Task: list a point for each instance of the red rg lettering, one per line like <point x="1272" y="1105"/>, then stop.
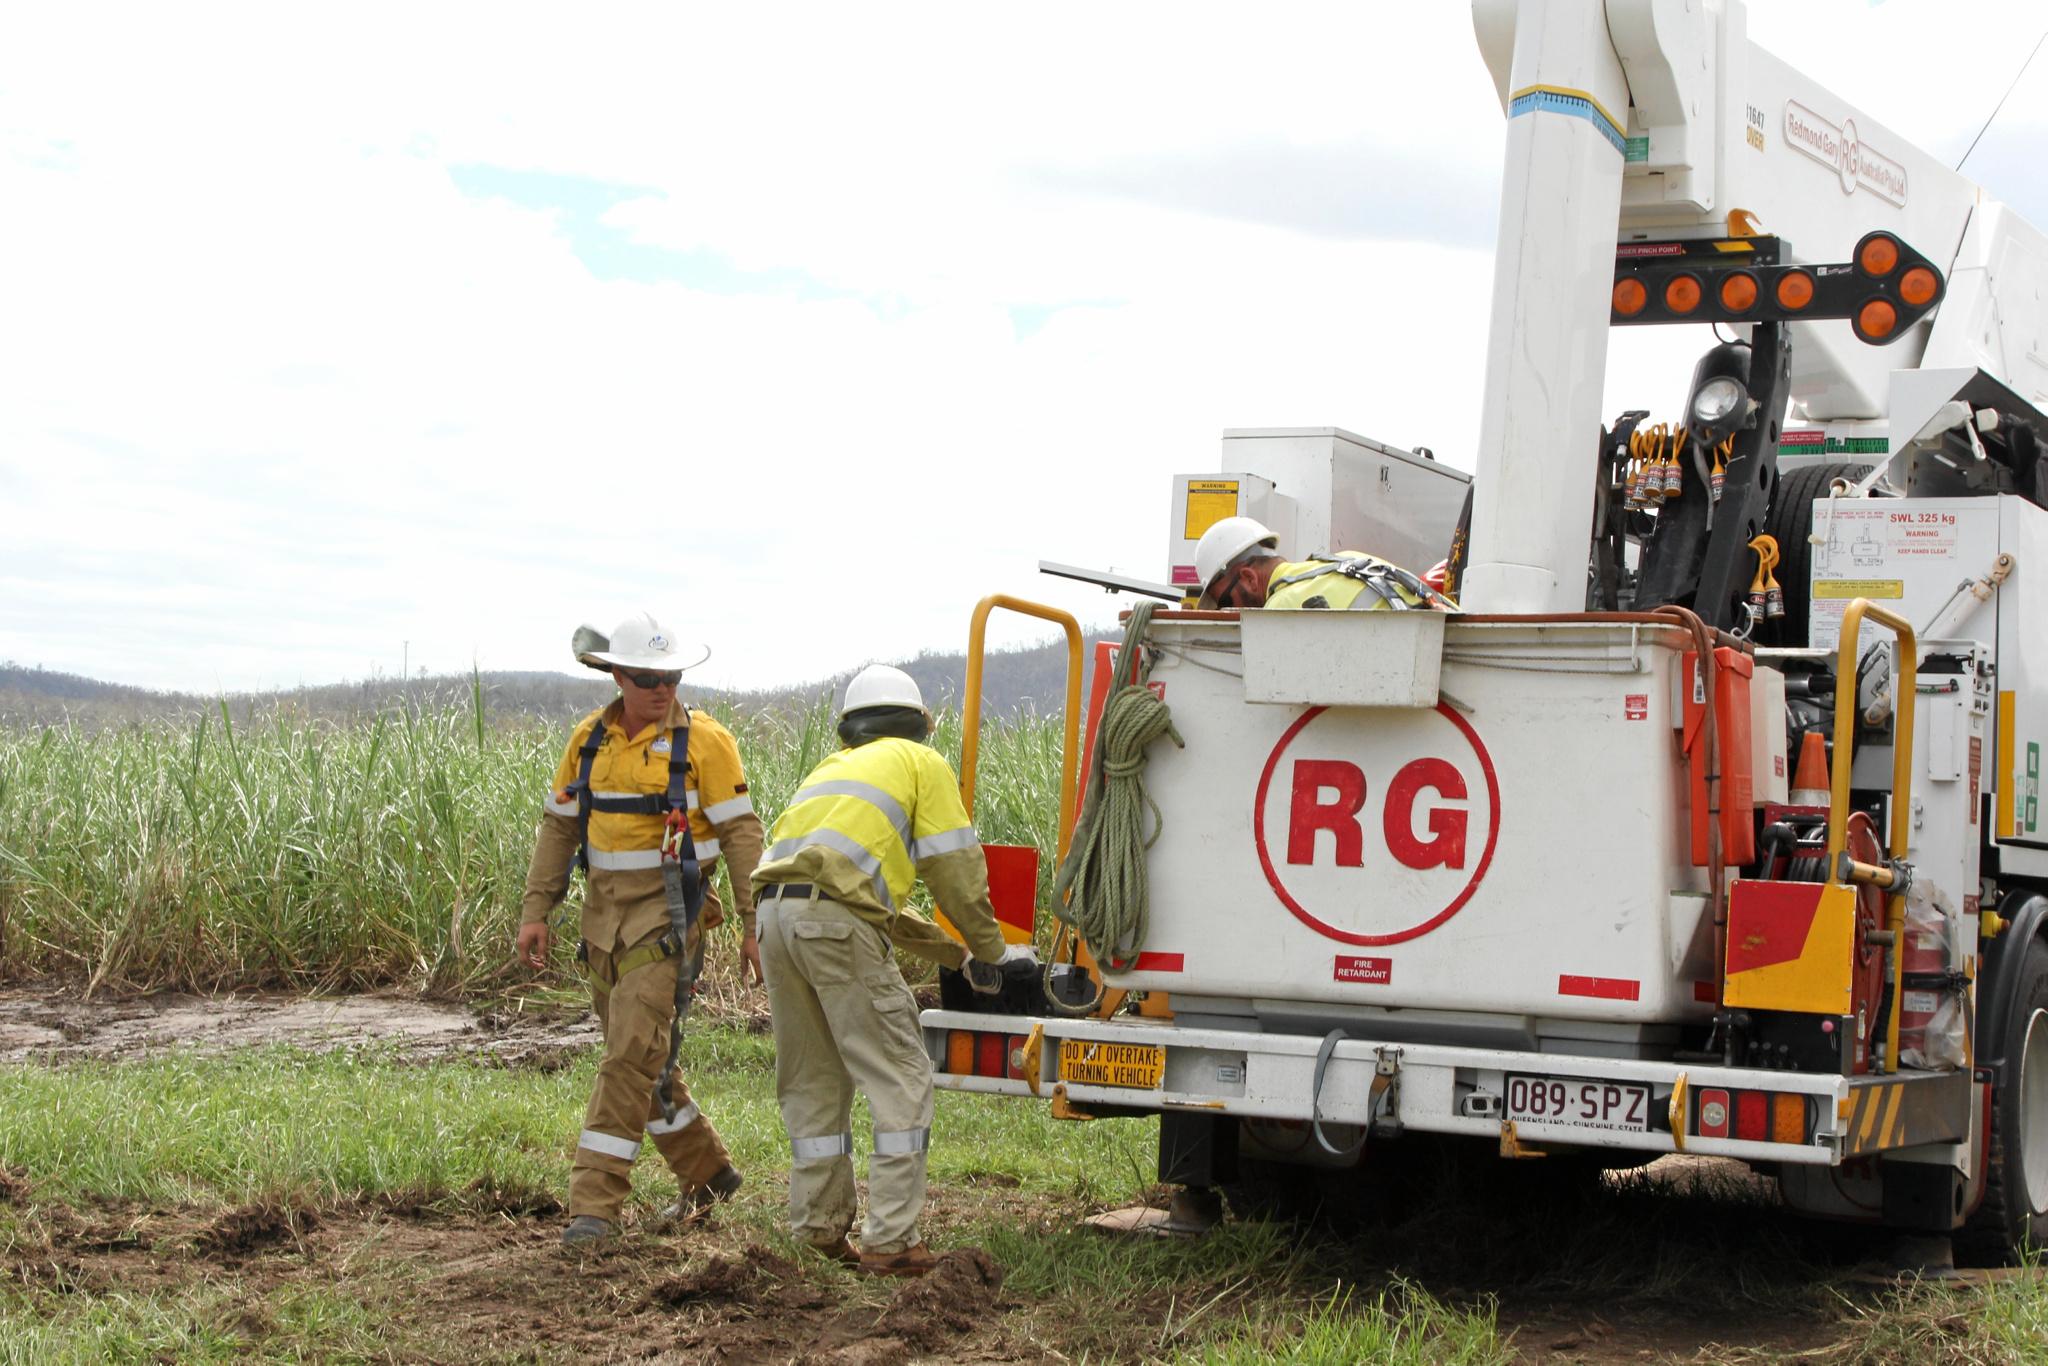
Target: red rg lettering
<point x="1446" y="846"/>
<point x="1309" y="813"/>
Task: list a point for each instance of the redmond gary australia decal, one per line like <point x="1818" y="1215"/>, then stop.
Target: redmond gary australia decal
<point x="1836" y="146"/>
<point x="1376" y="831"/>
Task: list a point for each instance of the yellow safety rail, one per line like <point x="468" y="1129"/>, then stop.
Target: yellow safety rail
<point x="970" y="718"/>
<point x="1843" y="870"/>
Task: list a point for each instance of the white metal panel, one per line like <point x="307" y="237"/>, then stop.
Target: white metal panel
<point x="1439" y="858"/>
<point x="1350" y="492"/>
<point x="2023" y="667"/>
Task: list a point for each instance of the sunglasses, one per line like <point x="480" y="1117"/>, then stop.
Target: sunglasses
<point x="661" y="680"/>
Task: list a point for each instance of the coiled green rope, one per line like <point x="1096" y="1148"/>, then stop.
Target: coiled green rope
<point x="1101" y="891"/>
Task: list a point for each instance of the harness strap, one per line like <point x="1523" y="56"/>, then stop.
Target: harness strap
<point x="682" y="880"/>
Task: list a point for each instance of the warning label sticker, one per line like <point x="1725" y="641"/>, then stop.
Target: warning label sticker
<point x="1636" y="706"/>
<point x="1372" y="972"/>
<point x="1906" y="553"/>
<point x="1209" y="502"/>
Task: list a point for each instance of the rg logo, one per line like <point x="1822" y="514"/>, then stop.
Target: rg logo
<point x="1376" y="827"/>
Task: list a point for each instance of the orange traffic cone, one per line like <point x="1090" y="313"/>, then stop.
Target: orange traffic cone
<point x="1810" y="779"/>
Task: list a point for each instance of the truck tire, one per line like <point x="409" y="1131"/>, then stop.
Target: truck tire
<point x="1790" y="522"/>
<point x="2015" y="1208"/>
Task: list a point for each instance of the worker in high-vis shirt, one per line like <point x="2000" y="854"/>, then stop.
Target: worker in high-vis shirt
<point x="834" y="895"/>
<point x="608" y="808"/>
<point x="1238" y="561"/>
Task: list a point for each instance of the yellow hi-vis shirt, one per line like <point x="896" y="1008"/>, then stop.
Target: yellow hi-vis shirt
<point x="623" y="900"/>
<point x="1321" y="582"/>
<point x="866" y="824"/>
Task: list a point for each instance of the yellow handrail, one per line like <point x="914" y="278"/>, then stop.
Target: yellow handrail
<point x="1903" y="692"/>
<point x="970" y="714"/>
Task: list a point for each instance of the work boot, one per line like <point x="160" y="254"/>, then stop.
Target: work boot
<point x="723" y="1185"/>
<point x="842" y="1252"/>
<point x="586" y="1229"/>
<point x="911" y="1261"/>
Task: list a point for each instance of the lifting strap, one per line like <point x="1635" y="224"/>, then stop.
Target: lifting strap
<point x="682" y="879"/>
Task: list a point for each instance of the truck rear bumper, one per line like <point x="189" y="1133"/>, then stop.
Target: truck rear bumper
<point x="1712" y="1110"/>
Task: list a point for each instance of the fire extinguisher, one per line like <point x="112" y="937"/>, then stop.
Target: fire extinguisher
<point x="1924" y="980"/>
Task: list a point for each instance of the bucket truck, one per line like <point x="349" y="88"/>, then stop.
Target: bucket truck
<point x="1712" y="823"/>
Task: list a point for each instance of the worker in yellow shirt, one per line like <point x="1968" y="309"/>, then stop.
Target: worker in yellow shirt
<point x="1239" y="564"/>
<point x="648" y="797"/>
<point x="834" y="889"/>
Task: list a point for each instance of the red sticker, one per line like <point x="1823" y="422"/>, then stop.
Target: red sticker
<point x="1636" y="706"/>
<point x="1372" y="972"/>
<point x="1600" y="988"/>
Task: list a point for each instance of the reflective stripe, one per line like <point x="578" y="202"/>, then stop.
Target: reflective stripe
<point x="945" y="842"/>
<point x="820" y="1149"/>
<point x="625" y="860"/>
<point x="707" y="850"/>
<point x="610" y="1145"/>
<point x="685" y="1117"/>
<point x="891" y="809"/>
<point x="690" y="797"/>
<point x="863" y="858"/>
<point x="721" y="812"/>
<point x="555" y="808"/>
<point x="894" y="1142"/>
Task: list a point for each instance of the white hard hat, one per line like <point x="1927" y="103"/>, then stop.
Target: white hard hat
<point x="638" y="642"/>
<point x="879" y="685"/>
<point x="1224" y="542"/>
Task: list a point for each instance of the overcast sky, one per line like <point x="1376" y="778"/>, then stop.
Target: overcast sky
<point x="331" y="339"/>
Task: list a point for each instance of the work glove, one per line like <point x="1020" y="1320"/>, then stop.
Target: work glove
<point x="986" y="978"/>
<point x="1019" y="963"/>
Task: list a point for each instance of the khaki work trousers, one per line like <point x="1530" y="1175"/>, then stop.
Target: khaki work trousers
<point x="635" y="1014"/>
<point x="844" y="1019"/>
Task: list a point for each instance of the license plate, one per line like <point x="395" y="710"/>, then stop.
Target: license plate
<point x="1137" y="1066"/>
<point x="1578" y="1103"/>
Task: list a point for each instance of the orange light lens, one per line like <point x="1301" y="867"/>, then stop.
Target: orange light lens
<point x="1917" y="286"/>
<point x="1788" y="1119"/>
<point x="1877" y="318"/>
<point x="960" y="1052"/>
<point x="1880" y="256"/>
<point x="1682" y="295"/>
<point x="1795" y="290"/>
<point x="1630" y="296"/>
<point x="1738" y="293"/>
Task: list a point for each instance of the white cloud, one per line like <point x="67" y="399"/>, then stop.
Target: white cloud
<point x="956" y="289"/>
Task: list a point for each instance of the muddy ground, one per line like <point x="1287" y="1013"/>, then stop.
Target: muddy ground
<point x="491" y="1283"/>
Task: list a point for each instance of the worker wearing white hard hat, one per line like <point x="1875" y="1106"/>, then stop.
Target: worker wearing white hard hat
<point x="1239" y="563"/>
<point x="834" y="889"/>
<point x="648" y="796"/>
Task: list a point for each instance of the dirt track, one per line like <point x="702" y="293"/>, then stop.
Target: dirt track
<point x="45" y="1026"/>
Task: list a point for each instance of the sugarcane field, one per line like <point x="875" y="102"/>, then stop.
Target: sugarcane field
<point x="661" y="701"/>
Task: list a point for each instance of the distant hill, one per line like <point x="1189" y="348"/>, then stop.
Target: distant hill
<point x="1013" y="681"/>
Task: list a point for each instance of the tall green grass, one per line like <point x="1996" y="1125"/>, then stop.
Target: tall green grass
<point x="310" y="856"/>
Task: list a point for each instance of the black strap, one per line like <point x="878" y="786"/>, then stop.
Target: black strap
<point x="683" y="882"/>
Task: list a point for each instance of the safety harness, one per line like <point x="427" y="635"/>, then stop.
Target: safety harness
<point x="1381" y="578"/>
<point x="682" y="880"/>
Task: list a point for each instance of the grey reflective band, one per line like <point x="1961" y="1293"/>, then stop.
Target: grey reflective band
<point x="609" y="1144"/>
<point x="685" y="1117"/>
<point x="891" y="809"/>
<point x="689" y="796"/>
<point x="624" y="860"/>
<point x="893" y="1143"/>
<point x="820" y="1149"/>
<point x="718" y="813"/>
<point x="863" y="858"/>
<point x="707" y="850"/>
<point x="945" y="842"/>
<point x="555" y="808"/>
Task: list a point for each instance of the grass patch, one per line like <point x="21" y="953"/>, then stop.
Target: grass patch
<point x="312" y="856"/>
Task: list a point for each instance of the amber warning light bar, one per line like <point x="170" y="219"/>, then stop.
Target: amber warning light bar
<point x="1884" y="290"/>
